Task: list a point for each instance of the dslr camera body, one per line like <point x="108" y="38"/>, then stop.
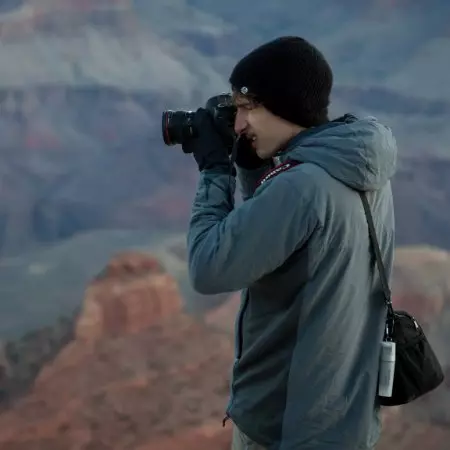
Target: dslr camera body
<point x="178" y="126"/>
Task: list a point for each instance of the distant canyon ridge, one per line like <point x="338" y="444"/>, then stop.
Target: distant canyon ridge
<point x="77" y="159"/>
<point x="83" y="86"/>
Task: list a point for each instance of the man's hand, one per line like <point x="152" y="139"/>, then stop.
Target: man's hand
<point x="208" y="147"/>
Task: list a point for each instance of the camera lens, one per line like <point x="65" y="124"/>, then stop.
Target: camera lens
<point x="177" y="126"/>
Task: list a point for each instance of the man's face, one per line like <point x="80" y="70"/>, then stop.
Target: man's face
<point x="267" y="132"/>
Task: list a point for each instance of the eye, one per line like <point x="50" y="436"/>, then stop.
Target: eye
<point x="245" y="107"/>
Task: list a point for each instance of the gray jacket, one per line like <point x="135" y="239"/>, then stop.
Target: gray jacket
<point x="312" y="314"/>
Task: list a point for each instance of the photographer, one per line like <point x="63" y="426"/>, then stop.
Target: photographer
<point x="312" y="315"/>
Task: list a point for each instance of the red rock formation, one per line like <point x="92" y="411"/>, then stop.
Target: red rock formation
<point x="223" y="317"/>
<point x="131" y="294"/>
<point x="140" y="374"/>
<point x="401" y="434"/>
<point x="420" y="282"/>
<point x="425" y="307"/>
<point x="205" y="437"/>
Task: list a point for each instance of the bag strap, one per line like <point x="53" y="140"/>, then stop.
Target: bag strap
<point x="372" y="235"/>
<point x="379" y="260"/>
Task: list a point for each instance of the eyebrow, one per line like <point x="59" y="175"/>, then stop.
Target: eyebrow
<point x="242" y="100"/>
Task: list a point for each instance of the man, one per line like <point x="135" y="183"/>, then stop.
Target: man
<point x="312" y="318"/>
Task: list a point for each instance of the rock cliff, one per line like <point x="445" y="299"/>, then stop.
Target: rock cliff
<point x="138" y="374"/>
<point x="141" y="374"/>
<point x="130" y="295"/>
<point x="22" y="359"/>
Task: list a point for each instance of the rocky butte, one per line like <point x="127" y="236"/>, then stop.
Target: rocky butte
<point x="141" y="374"/>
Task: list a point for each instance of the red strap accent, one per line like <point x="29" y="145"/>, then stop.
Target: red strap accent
<point x="276" y="171"/>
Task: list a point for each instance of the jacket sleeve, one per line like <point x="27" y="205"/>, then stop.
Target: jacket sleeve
<point x="249" y="178"/>
<point x="230" y="248"/>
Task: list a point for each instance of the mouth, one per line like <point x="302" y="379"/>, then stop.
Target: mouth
<point x="252" y="140"/>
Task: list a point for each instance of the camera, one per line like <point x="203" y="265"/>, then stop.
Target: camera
<point x="178" y="126"/>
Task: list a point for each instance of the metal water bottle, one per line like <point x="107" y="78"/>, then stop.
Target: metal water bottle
<point x="387" y="369"/>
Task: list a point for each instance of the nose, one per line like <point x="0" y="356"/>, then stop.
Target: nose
<point x="240" y="122"/>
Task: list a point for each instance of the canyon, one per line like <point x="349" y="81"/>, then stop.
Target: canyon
<point x="103" y="343"/>
<point x="140" y="373"/>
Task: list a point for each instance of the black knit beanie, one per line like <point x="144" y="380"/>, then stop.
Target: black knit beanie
<point x="290" y="77"/>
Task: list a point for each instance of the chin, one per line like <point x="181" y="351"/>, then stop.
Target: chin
<point x="264" y="154"/>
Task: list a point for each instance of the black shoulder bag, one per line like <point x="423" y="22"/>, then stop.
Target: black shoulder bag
<point x="417" y="370"/>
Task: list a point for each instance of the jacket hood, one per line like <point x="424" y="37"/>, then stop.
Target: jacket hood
<point x="360" y="152"/>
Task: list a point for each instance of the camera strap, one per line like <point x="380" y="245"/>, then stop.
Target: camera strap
<point x="273" y="172"/>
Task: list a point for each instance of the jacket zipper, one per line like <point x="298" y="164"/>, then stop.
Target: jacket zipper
<point x="239" y="345"/>
<point x="239" y="336"/>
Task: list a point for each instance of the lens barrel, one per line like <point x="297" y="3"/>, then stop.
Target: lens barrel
<point x="177" y="126"/>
